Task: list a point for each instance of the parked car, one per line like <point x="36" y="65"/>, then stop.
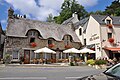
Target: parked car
<point x="112" y="73"/>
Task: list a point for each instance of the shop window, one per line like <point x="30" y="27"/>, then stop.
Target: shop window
<point x="15" y="55"/>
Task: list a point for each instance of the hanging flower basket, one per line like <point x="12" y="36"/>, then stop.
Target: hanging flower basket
<point x="33" y="44"/>
<point x="67" y="46"/>
<point x="111" y="40"/>
<point x="50" y="45"/>
<point x="109" y="25"/>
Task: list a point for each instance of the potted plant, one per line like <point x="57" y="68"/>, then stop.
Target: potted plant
<point x="67" y="46"/>
<point x="33" y="44"/>
<point x="111" y="40"/>
<point x="109" y="25"/>
<point x="50" y="45"/>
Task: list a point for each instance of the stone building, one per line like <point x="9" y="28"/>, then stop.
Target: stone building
<point x="24" y="36"/>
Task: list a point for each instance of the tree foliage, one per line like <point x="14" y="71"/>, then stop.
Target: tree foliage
<point x="68" y="8"/>
<point x="50" y="18"/>
<point x="113" y="9"/>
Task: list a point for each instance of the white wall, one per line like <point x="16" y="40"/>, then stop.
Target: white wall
<point x="93" y="35"/>
<point x="81" y="37"/>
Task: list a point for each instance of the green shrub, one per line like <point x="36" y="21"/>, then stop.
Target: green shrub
<point x="71" y="64"/>
<point x="100" y="62"/>
<point x="7" y="58"/>
<point x="91" y="62"/>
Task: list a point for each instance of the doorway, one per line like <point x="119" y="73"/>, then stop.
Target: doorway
<point x="26" y="56"/>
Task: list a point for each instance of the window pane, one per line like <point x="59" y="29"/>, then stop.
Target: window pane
<point x="49" y="41"/>
<point x="109" y="35"/>
<point x="32" y="55"/>
<point x="108" y="21"/>
<point x="80" y="31"/>
<point x="15" y="55"/>
<point x="32" y="40"/>
<point x="38" y="56"/>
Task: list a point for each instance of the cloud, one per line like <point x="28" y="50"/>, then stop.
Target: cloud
<point x="88" y="3"/>
<point x="40" y="9"/>
<point x="3" y="21"/>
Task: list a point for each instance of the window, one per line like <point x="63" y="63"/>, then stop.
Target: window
<point x="80" y="31"/>
<point x="49" y="41"/>
<point x="15" y="55"/>
<point x="32" y="40"/>
<point x="32" y="55"/>
<point x="67" y="39"/>
<point x="109" y="35"/>
<point x="108" y="21"/>
<point x="84" y="41"/>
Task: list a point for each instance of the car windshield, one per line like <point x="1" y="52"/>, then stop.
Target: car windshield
<point x="114" y="71"/>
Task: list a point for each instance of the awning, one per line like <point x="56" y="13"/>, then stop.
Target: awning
<point x="112" y="49"/>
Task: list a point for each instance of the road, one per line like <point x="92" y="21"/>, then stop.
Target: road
<point x="46" y="73"/>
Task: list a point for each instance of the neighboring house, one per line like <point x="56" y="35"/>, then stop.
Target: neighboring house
<point x="24" y="36"/>
<point x="103" y="32"/>
<point x="100" y="33"/>
<point x="2" y="39"/>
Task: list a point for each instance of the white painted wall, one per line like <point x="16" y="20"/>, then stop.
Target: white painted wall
<point x="93" y="35"/>
<point x="81" y="37"/>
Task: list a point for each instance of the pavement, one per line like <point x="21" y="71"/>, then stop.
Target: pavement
<point x="36" y="65"/>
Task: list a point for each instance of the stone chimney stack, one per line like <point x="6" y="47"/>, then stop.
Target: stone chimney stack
<point x="10" y="13"/>
<point x="75" y="15"/>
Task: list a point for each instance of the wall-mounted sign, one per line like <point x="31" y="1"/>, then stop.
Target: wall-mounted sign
<point x="94" y="37"/>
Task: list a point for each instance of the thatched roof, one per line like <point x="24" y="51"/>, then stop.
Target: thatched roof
<point x="19" y="28"/>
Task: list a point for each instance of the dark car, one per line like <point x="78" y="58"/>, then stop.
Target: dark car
<point x="112" y="73"/>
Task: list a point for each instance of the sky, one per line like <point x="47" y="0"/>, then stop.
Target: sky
<point x="40" y="9"/>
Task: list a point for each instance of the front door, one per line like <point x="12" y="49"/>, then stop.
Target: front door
<point x="26" y="56"/>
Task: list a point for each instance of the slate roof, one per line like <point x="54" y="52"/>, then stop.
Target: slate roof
<point x="68" y="21"/>
<point x="19" y="28"/>
<point x="100" y="19"/>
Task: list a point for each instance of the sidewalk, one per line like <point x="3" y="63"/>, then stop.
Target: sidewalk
<point x="35" y="65"/>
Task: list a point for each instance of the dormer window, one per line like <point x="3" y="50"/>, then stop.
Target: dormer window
<point x="108" y="21"/>
<point x="67" y="39"/>
<point x="32" y="40"/>
<point x="49" y="41"/>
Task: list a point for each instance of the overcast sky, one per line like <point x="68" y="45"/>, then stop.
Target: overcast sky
<point x="39" y="9"/>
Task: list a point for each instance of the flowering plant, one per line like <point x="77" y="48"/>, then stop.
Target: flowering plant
<point x="67" y="46"/>
<point x="50" y="45"/>
<point x="111" y="40"/>
<point x="109" y="25"/>
<point x="33" y="44"/>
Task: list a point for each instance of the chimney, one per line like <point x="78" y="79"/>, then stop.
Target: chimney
<point x="75" y="15"/>
<point x="10" y="12"/>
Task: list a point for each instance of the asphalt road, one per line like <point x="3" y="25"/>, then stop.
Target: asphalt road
<point x="46" y="73"/>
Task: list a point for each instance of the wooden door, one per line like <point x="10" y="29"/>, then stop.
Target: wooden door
<point x="26" y="56"/>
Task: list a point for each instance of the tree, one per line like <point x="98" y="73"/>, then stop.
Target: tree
<point x="113" y="9"/>
<point x="68" y="8"/>
<point x="50" y="18"/>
